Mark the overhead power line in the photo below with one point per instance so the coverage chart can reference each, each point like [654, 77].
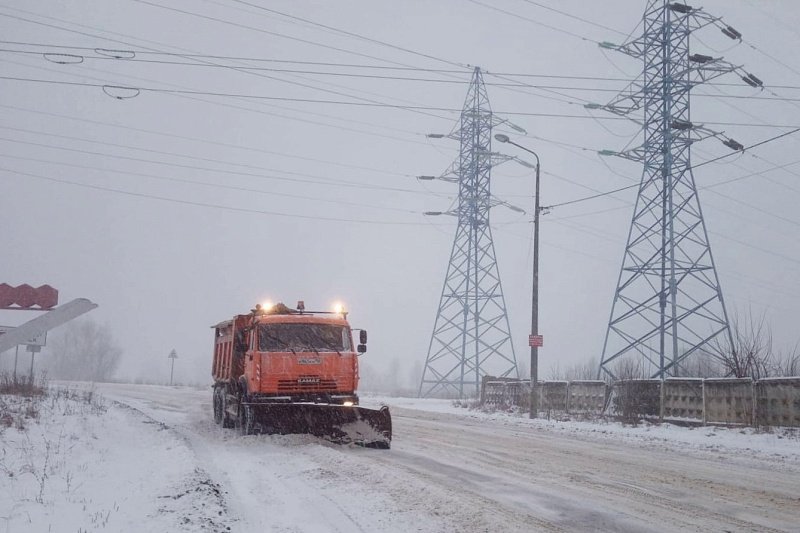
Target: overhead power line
[349, 33]
[534, 21]
[576, 17]
[174, 179]
[232, 67]
[124, 92]
[207, 204]
[132, 55]
[262, 151]
[205, 168]
[600, 195]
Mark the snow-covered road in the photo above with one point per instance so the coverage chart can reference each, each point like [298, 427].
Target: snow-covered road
[451, 472]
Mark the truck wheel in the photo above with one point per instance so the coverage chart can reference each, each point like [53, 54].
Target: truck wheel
[218, 411]
[246, 420]
[227, 421]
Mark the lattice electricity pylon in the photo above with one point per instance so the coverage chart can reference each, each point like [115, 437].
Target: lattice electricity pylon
[668, 303]
[471, 336]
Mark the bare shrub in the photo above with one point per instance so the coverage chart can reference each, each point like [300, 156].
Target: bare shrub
[22, 386]
[749, 352]
[467, 403]
[633, 395]
[788, 364]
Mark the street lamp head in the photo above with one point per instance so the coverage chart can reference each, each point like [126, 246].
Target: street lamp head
[502, 138]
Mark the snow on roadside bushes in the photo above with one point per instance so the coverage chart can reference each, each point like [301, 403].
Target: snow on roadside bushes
[70, 461]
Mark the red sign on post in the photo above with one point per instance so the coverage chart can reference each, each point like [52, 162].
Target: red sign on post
[535, 341]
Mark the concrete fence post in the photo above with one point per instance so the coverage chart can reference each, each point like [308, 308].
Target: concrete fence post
[705, 405]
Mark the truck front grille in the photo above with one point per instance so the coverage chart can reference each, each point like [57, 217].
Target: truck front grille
[306, 384]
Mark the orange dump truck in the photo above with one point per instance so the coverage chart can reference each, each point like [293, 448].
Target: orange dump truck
[282, 370]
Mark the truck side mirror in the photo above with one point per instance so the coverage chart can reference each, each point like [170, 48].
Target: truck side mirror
[362, 336]
[362, 348]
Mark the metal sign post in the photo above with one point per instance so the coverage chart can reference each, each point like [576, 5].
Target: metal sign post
[16, 357]
[172, 355]
[34, 345]
[33, 349]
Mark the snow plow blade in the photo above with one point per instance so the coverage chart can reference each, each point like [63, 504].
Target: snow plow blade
[342, 424]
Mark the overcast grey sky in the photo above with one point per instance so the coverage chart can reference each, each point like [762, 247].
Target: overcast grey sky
[174, 211]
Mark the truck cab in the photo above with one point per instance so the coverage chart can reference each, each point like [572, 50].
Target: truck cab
[303, 357]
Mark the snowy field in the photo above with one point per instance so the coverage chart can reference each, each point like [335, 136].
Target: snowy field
[135, 458]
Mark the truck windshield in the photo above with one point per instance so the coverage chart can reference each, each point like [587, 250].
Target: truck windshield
[303, 337]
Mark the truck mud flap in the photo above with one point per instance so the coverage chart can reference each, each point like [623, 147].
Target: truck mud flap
[371, 428]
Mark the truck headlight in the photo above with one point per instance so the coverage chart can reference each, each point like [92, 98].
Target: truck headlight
[347, 404]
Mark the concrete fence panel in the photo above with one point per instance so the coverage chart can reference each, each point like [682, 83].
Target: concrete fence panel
[778, 402]
[519, 393]
[635, 398]
[728, 401]
[505, 392]
[586, 397]
[493, 393]
[683, 399]
[553, 395]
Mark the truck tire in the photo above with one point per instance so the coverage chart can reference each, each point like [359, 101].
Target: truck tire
[227, 421]
[246, 420]
[218, 411]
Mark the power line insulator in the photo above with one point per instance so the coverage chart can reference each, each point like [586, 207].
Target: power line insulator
[682, 125]
[680, 8]
[729, 31]
[752, 81]
[733, 145]
[756, 80]
[700, 58]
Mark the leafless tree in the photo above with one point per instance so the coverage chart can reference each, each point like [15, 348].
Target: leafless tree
[83, 350]
[788, 364]
[700, 364]
[575, 372]
[749, 354]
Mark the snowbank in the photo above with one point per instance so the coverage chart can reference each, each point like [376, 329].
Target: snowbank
[73, 462]
[781, 444]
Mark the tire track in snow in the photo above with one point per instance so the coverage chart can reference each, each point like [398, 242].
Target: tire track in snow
[616, 476]
[308, 489]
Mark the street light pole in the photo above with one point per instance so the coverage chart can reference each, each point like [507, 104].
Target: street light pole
[535, 291]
